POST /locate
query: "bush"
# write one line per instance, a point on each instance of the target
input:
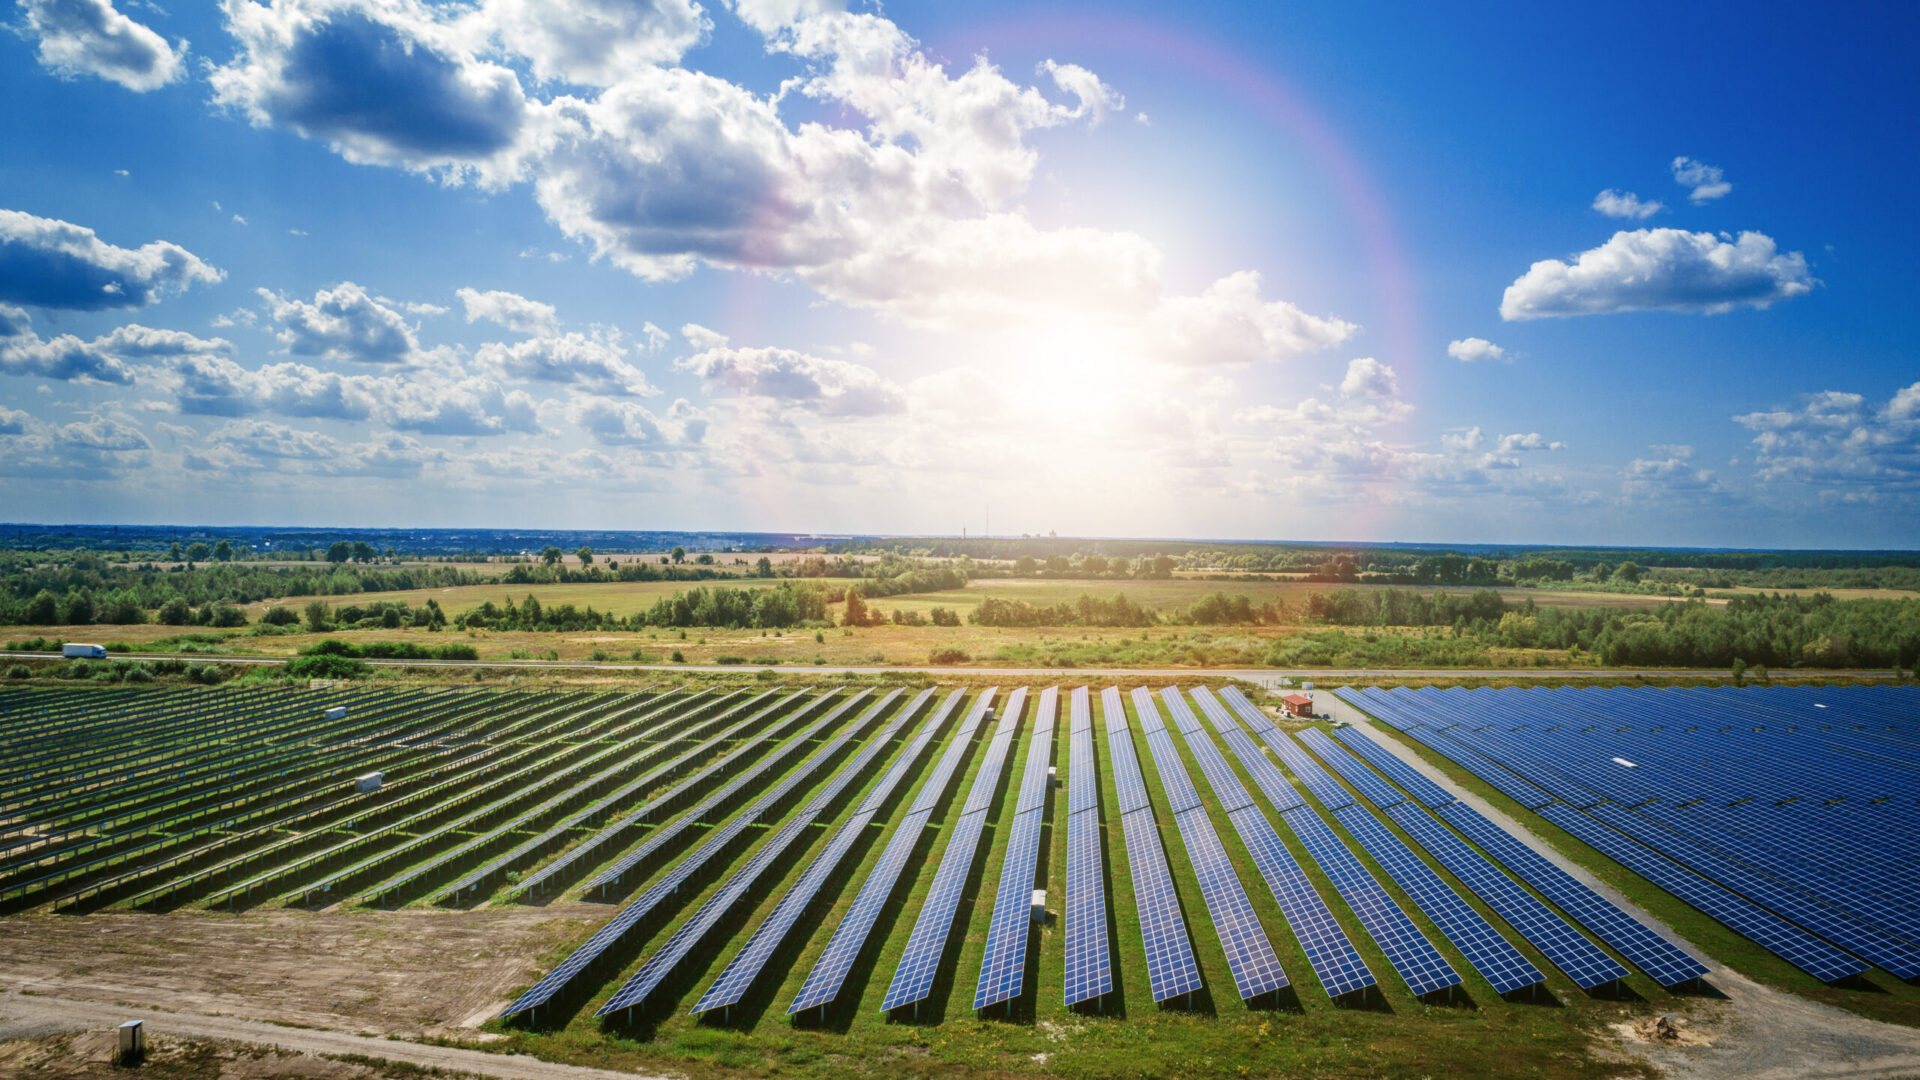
(949, 656)
(206, 674)
(727, 659)
(19, 671)
(280, 616)
(678, 657)
(944, 617)
(322, 666)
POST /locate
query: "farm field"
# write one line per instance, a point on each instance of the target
(707, 847)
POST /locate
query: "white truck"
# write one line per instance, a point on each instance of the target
(74, 650)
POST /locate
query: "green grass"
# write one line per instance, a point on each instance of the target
(1880, 997)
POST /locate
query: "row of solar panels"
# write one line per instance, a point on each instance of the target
(1433, 819)
(1787, 815)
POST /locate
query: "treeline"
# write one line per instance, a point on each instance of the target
(788, 604)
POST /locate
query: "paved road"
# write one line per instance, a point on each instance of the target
(1267, 677)
(24, 1015)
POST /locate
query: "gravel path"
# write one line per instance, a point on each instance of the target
(34, 1015)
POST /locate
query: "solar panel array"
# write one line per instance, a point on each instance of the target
(1089, 967)
(1250, 956)
(1786, 813)
(1171, 969)
(919, 965)
(748, 964)
(666, 960)
(829, 973)
(1010, 928)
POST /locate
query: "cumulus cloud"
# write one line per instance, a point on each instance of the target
(104, 359)
(104, 433)
(467, 407)
(1842, 444)
(1661, 270)
(593, 42)
(828, 387)
(511, 310)
(627, 423)
(1706, 182)
(385, 82)
(45, 262)
(256, 445)
(1229, 323)
(90, 37)
(597, 363)
(1473, 350)
(216, 386)
(1625, 204)
(1531, 440)
(343, 323)
(13, 421)
(1369, 378)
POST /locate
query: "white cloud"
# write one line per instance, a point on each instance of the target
(13, 421)
(596, 363)
(1531, 440)
(103, 360)
(827, 387)
(627, 423)
(385, 82)
(511, 310)
(90, 37)
(1229, 323)
(593, 42)
(1706, 181)
(1369, 378)
(1473, 350)
(1661, 270)
(1842, 445)
(343, 323)
(1625, 204)
(104, 433)
(45, 262)
(467, 407)
(216, 386)
(1096, 98)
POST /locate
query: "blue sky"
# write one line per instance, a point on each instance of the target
(1353, 271)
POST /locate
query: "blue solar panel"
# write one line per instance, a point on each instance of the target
(1335, 962)
(1179, 789)
(1171, 970)
(1409, 778)
(1318, 780)
(1365, 780)
(1089, 967)
(1010, 929)
(1664, 961)
(1580, 959)
(1266, 775)
(829, 973)
(913, 978)
(1250, 956)
(1504, 967)
(1407, 949)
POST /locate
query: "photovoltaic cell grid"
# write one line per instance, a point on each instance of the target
(1664, 961)
(920, 963)
(748, 963)
(1580, 959)
(829, 973)
(1377, 791)
(1250, 956)
(1318, 780)
(1010, 928)
(668, 958)
(1089, 967)
(1266, 776)
(1335, 962)
(1228, 791)
(1492, 955)
(1171, 969)
(1407, 949)
(1416, 784)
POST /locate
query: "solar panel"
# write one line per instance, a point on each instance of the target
(1418, 963)
(1580, 959)
(1409, 778)
(1318, 780)
(1365, 780)
(1171, 969)
(1181, 795)
(1493, 956)
(1335, 962)
(1664, 961)
(920, 963)
(830, 971)
(1089, 968)
(1010, 928)
(1250, 956)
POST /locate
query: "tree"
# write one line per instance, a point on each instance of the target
(1119, 565)
(223, 551)
(174, 554)
(317, 615)
(856, 613)
(586, 555)
(198, 552)
(80, 608)
(679, 555)
(1628, 572)
(704, 559)
(43, 609)
(280, 615)
(763, 568)
(944, 617)
(176, 612)
(1093, 564)
(551, 556)
(1024, 566)
(1163, 566)
(340, 551)
(363, 552)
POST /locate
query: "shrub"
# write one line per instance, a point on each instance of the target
(321, 666)
(729, 659)
(206, 674)
(19, 671)
(678, 657)
(944, 617)
(280, 616)
(949, 656)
